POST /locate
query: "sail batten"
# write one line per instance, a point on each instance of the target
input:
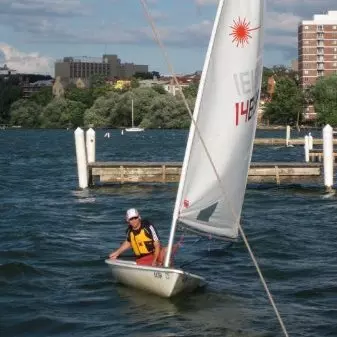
(219, 148)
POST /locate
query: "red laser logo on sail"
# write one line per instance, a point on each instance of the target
(241, 32)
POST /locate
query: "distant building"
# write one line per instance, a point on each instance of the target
(294, 65)
(184, 81)
(6, 72)
(28, 89)
(317, 52)
(317, 47)
(70, 69)
(127, 70)
(153, 82)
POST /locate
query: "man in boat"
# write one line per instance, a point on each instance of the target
(142, 237)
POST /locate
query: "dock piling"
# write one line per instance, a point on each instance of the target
(91, 145)
(328, 157)
(311, 141)
(82, 167)
(306, 149)
(288, 136)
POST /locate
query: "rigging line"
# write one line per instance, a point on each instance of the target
(270, 297)
(161, 45)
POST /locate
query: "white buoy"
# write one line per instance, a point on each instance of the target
(288, 136)
(81, 157)
(91, 145)
(328, 157)
(311, 142)
(122, 132)
(306, 149)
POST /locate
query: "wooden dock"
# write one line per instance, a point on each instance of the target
(316, 156)
(169, 172)
(282, 141)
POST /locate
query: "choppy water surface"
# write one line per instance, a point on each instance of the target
(54, 238)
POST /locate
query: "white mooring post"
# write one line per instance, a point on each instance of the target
(311, 142)
(288, 135)
(91, 145)
(328, 157)
(306, 149)
(81, 157)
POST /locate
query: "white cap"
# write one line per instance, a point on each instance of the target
(131, 213)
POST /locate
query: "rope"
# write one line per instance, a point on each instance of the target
(263, 281)
(170, 67)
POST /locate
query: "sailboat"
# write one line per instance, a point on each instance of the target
(219, 147)
(133, 128)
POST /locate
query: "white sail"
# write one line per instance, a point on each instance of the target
(225, 115)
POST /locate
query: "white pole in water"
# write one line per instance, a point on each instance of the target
(81, 157)
(328, 157)
(306, 149)
(311, 142)
(288, 135)
(91, 145)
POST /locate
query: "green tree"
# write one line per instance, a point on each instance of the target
(83, 95)
(26, 113)
(134, 83)
(159, 89)
(62, 113)
(325, 100)
(142, 101)
(191, 91)
(102, 111)
(143, 76)
(43, 97)
(97, 80)
(166, 111)
(264, 85)
(9, 93)
(278, 71)
(287, 103)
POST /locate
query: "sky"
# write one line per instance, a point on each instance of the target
(35, 33)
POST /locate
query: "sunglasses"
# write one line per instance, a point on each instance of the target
(134, 218)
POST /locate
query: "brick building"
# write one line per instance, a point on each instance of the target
(317, 50)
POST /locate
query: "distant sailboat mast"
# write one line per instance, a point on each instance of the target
(133, 127)
(132, 123)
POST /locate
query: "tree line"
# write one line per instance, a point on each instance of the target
(100, 105)
(289, 101)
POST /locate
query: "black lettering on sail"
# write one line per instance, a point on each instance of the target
(206, 213)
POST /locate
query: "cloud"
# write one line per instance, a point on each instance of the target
(282, 22)
(26, 62)
(206, 2)
(43, 7)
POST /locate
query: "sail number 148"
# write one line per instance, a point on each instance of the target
(246, 108)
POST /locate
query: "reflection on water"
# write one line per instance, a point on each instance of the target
(209, 312)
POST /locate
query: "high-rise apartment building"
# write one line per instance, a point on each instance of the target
(70, 69)
(317, 47)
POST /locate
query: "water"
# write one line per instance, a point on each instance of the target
(54, 238)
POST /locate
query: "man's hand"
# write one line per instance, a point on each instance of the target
(113, 255)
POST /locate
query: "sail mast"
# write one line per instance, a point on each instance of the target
(191, 136)
(132, 112)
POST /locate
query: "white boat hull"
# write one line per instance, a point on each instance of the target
(164, 282)
(134, 129)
